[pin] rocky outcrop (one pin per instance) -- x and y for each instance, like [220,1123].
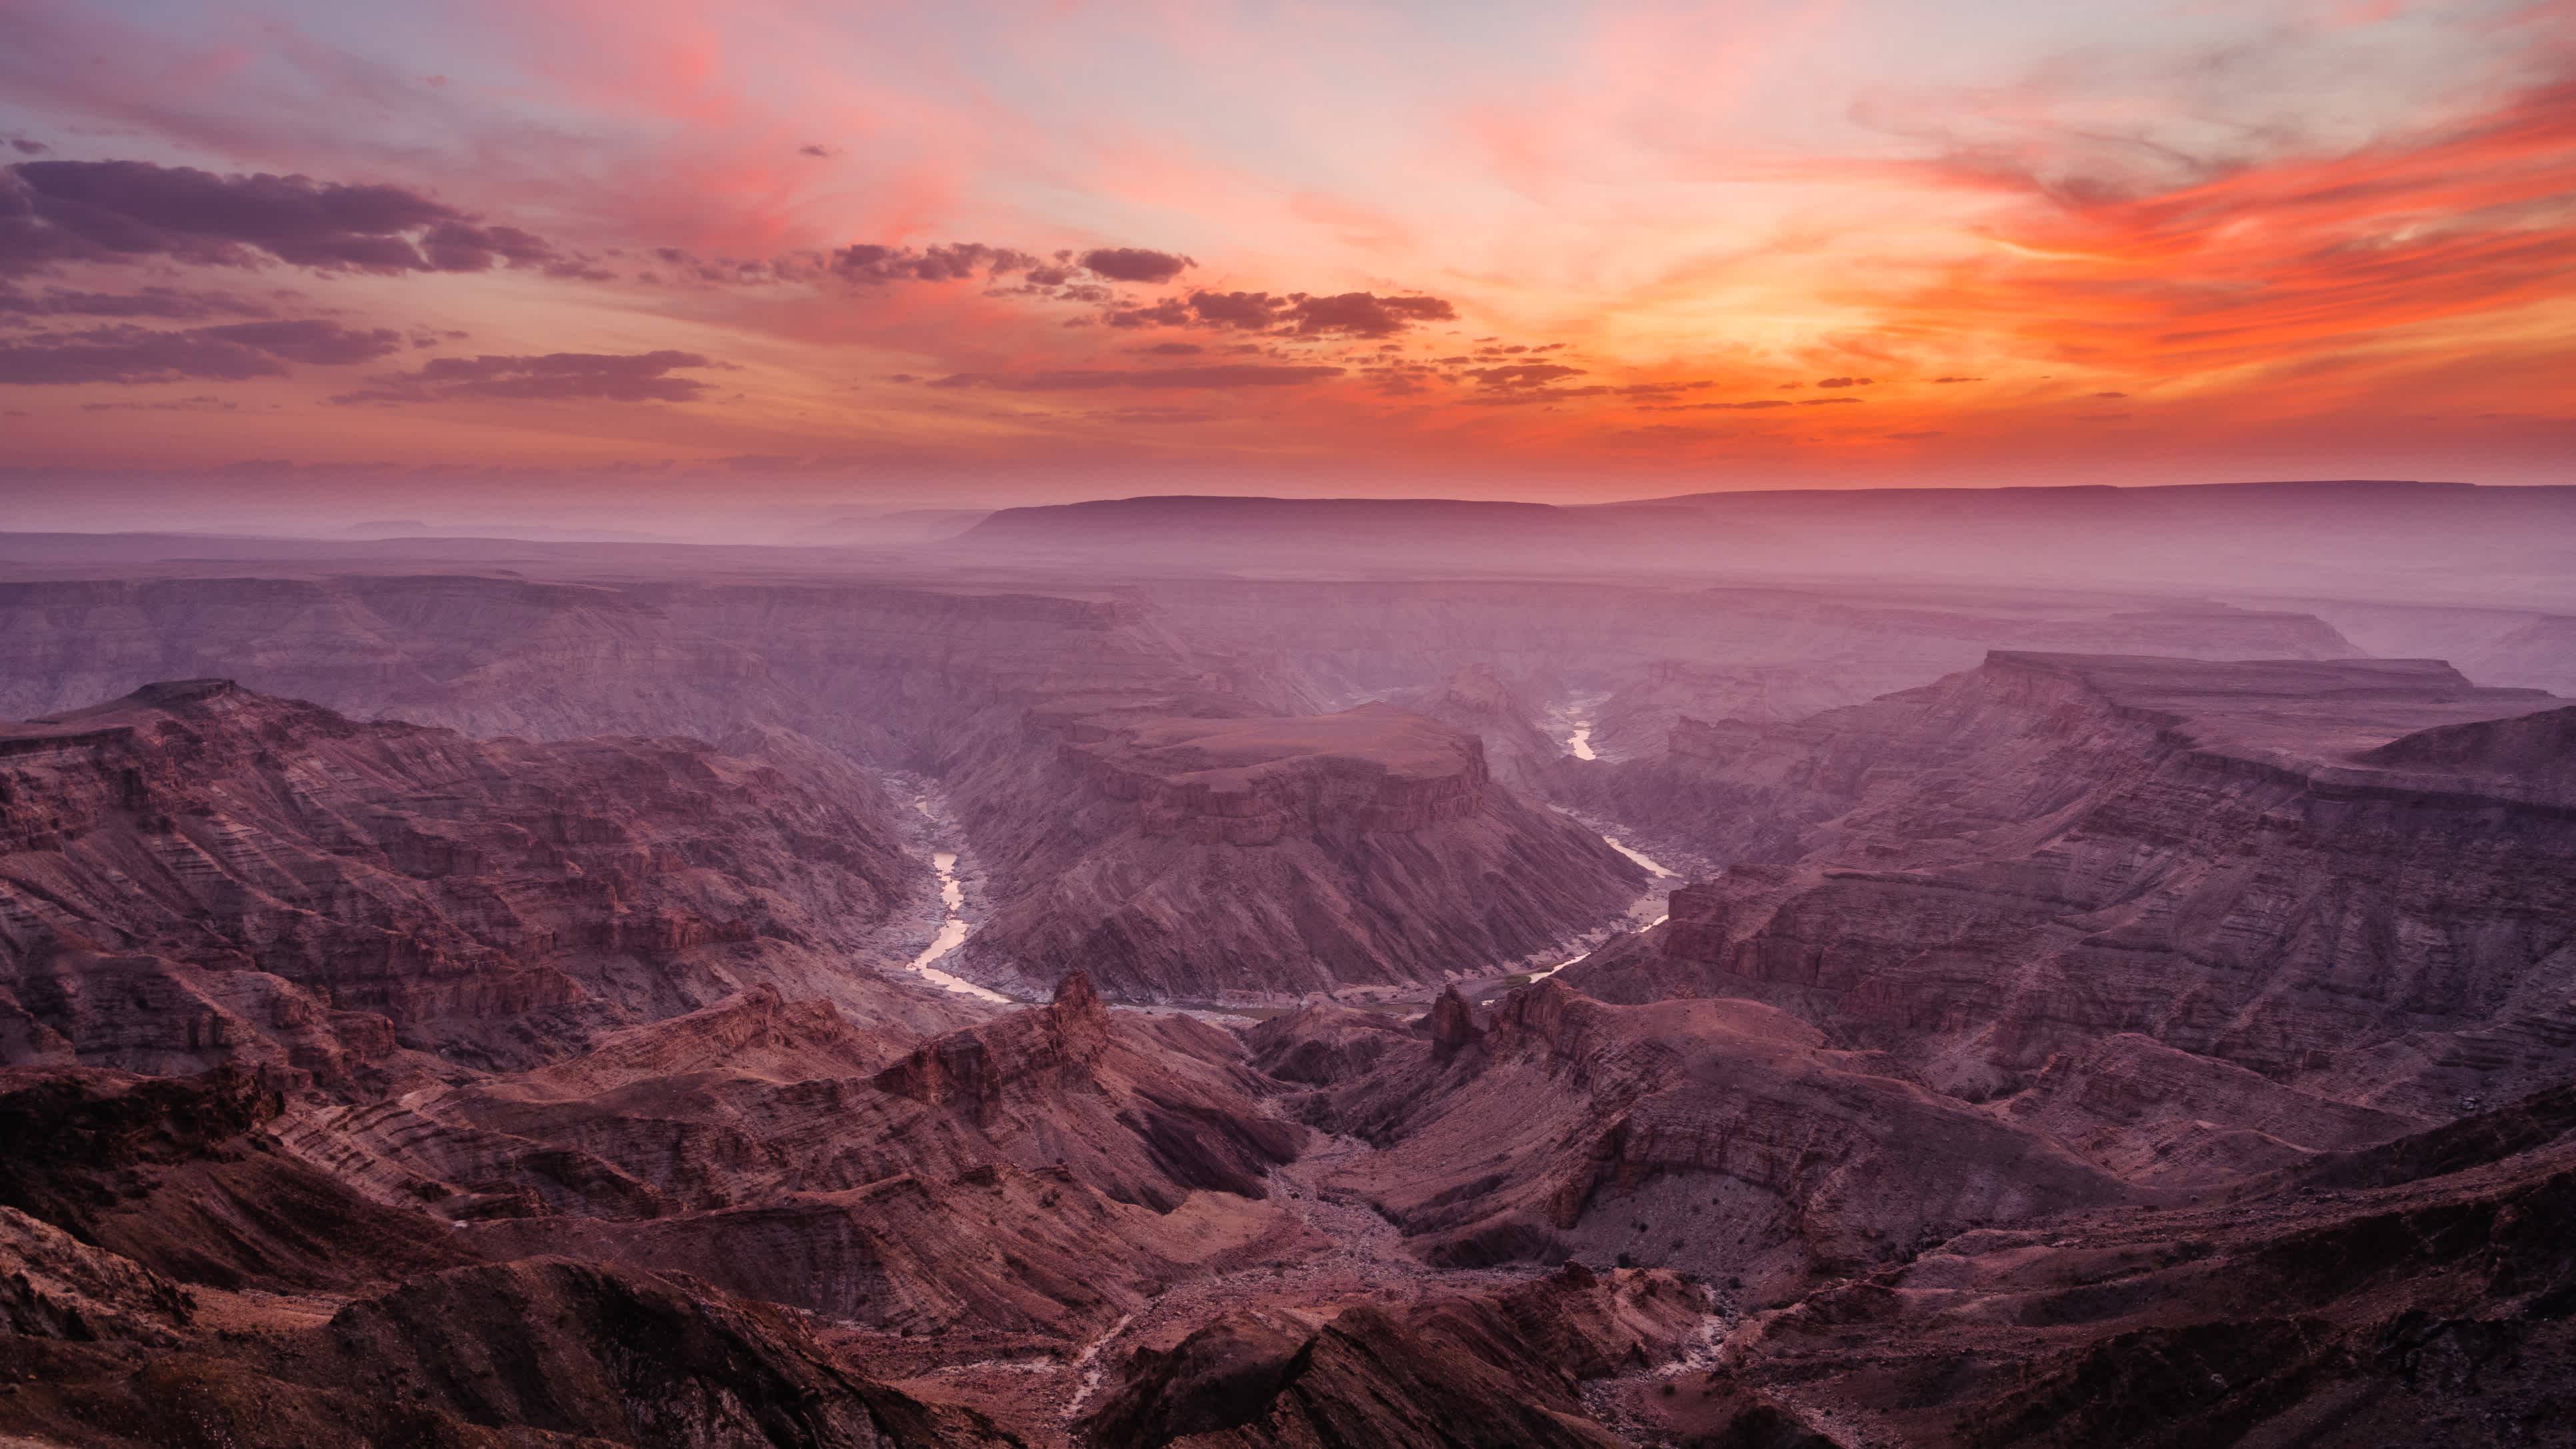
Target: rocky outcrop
[2535,752]
[1320,1044]
[1476,699]
[1037,1172]
[970,1071]
[1720,1137]
[2224,857]
[53,1285]
[1259,859]
[178,1175]
[2388,1295]
[1496,1371]
[528,1354]
[198,873]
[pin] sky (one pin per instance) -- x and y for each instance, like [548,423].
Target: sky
[320,260]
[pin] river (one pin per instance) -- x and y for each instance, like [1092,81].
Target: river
[952,927]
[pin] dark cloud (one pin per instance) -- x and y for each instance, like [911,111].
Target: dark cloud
[170,304]
[1216,375]
[1170,312]
[56,211]
[1846,381]
[1817,402]
[1247,311]
[1156,417]
[1134,264]
[198,404]
[1730,407]
[2110,394]
[1523,374]
[811,149]
[1346,314]
[1911,437]
[25,147]
[610,377]
[129,354]
[457,246]
[1958,379]
[1363,314]
[945,262]
[1173,349]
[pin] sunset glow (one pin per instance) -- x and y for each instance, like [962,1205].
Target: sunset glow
[803,252]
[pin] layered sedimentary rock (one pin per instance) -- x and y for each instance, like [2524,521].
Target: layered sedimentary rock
[1723,1137]
[2331,874]
[1477,699]
[1225,857]
[2418,1292]
[197,873]
[535,1353]
[1499,1370]
[1035,1172]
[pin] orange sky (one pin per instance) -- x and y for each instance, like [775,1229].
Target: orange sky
[821,254]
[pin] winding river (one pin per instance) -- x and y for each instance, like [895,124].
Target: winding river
[952,928]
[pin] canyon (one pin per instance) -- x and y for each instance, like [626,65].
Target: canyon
[1128,979]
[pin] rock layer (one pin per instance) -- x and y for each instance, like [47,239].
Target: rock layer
[197,873]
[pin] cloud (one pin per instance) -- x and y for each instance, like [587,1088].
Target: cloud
[1523,374]
[169,304]
[25,147]
[1729,407]
[945,262]
[2221,260]
[1958,379]
[198,404]
[1845,382]
[104,211]
[1301,314]
[129,354]
[1173,349]
[1364,314]
[1245,311]
[1134,264]
[1216,375]
[1915,436]
[609,377]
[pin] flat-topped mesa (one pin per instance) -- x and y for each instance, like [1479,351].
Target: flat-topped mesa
[2313,707]
[974,1068]
[1252,781]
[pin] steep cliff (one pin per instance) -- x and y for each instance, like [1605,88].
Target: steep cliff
[2332,874]
[2415,1292]
[1195,858]
[1721,1137]
[198,873]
